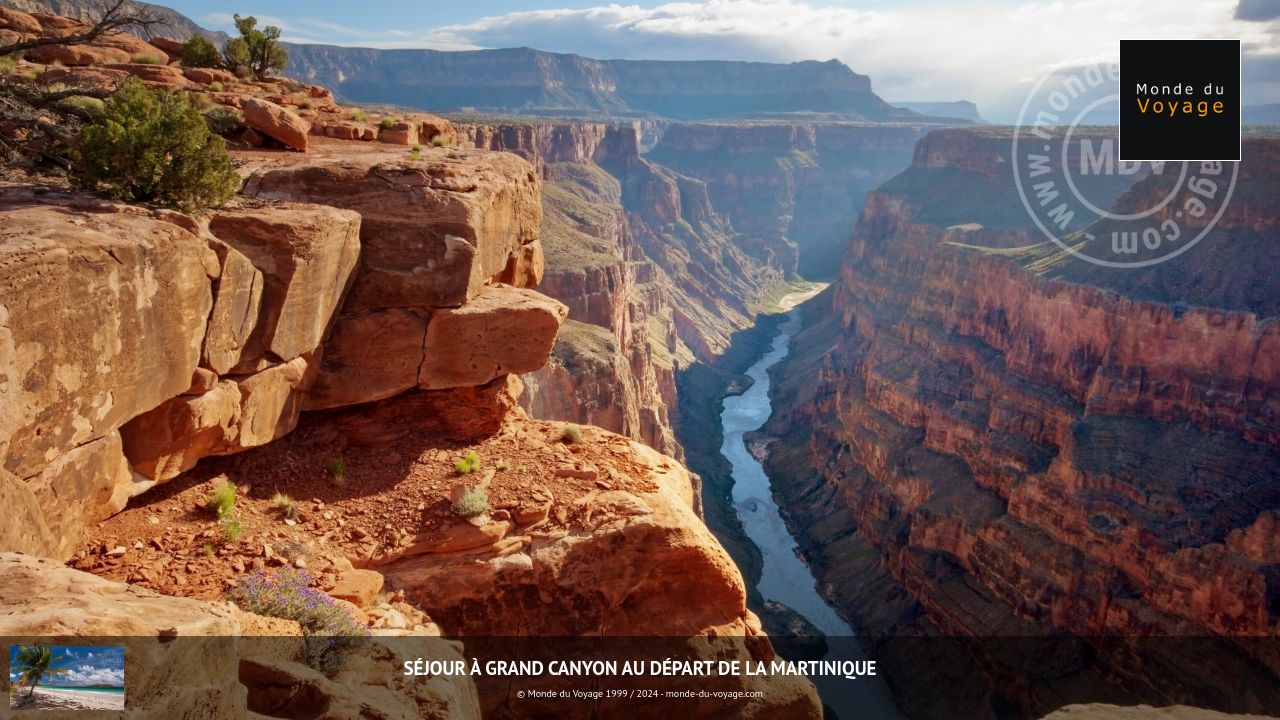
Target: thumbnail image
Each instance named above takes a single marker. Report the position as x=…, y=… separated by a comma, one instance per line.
x=66, y=677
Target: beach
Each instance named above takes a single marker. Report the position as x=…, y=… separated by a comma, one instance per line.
x=59, y=699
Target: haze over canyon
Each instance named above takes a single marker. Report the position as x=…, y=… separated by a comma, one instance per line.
x=466, y=360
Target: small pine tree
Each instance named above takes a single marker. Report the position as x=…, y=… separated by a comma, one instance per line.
x=257, y=51
x=153, y=146
x=200, y=53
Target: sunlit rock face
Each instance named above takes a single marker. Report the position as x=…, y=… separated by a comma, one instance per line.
x=985, y=437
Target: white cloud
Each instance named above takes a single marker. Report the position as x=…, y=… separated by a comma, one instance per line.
x=988, y=51
x=90, y=675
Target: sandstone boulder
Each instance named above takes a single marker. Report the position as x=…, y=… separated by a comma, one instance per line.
x=208, y=76
x=102, y=318
x=24, y=529
x=165, y=76
x=432, y=126
x=81, y=488
x=357, y=587
x=346, y=130
x=525, y=266
x=503, y=330
x=430, y=237
x=236, y=305
x=85, y=77
x=134, y=45
x=402, y=133
x=369, y=356
x=79, y=55
x=636, y=564
x=53, y=23
x=18, y=22
x=169, y=45
x=233, y=416
x=272, y=120
x=306, y=255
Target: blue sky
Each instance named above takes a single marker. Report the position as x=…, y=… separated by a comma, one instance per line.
x=988, y=51
x=86, y=665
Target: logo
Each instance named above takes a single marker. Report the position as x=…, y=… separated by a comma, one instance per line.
x=1089, y=202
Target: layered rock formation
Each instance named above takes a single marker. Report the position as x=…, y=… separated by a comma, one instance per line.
x=791, y=190
x=649, y=270
x=347, y=328
x=530, y=81
x=985, y=438
x=178, y=340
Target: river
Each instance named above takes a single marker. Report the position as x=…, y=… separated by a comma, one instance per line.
x=785, y=577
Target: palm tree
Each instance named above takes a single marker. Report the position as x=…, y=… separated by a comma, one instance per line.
x=32, y=663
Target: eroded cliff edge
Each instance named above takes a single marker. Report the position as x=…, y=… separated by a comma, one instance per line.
x=980, y=439
x=359, y=304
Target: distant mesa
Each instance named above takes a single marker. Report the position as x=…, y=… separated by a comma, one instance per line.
x=529, y=82
x=959, y=109
x=1261, y=114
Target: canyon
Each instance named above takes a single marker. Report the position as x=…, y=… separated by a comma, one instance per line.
x=1057, y=473
x=1023, y=481
x=348, y=330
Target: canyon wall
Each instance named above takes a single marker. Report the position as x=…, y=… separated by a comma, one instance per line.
x=165, y=340
x=651, y=272
x=662, y=257
x=793, y=190
x=981, y=438
x=341, y=347
x=528, y=81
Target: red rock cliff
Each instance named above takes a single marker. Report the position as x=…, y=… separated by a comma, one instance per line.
x=1019, y=446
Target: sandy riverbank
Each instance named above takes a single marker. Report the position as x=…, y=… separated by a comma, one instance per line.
x=47, y=699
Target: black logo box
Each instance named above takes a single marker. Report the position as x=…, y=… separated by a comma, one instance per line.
x=1183, y=64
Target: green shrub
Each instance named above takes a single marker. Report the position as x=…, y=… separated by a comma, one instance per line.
x=200, y=53
x=359, y=116
x=209, y=550
x=306, y=104
x=217, y=86
x=257, y=52
x=454, y=154
x=468, y=463
x=440, y=141
x=231, y=529
x=224, y=120
x=90, y=105
x=329, y=630
x=153, y=146
x=202, y=101
x=570, y=434
x=148, y=59
x=222, y=501
x=287, y=506
x=337, y=469
x=387, y=123
x=471, y=503
x=7, y=64
x=415, y=154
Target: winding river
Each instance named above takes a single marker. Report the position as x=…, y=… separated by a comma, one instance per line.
x=785, y=577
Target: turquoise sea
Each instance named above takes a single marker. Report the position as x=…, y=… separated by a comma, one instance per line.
x=112, y=691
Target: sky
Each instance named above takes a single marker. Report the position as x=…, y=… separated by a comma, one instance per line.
x=85, y=666
x=986, y=51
